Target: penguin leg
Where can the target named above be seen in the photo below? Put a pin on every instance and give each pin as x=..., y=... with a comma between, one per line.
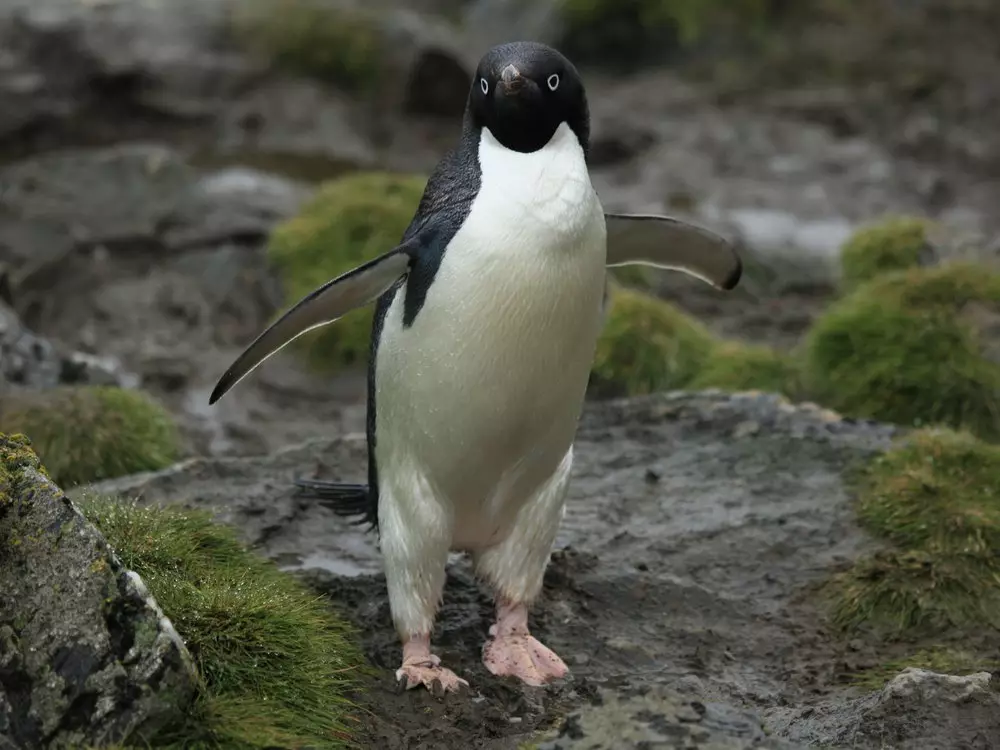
x=415, y=539
x=515, y=569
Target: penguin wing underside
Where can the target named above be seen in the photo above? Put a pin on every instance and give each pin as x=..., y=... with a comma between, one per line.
x=665, y=242
x=325, y=305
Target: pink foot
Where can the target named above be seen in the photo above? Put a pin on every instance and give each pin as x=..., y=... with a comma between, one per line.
x=513, y=652
x=421, y=667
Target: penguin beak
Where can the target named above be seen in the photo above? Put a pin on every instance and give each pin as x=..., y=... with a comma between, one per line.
x=512, y=80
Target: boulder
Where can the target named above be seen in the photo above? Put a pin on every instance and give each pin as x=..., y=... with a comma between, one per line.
x=86, y=655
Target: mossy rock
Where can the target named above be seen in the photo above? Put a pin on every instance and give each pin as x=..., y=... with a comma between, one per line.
x=933, y=498
x=314, y=38
x=350, y=221
x=86, y=434
x=734, y=366
x=15, y=455
x=647, y=345
x=276, y=663
x=894, y=244
x=913, y=347
x=940, y=659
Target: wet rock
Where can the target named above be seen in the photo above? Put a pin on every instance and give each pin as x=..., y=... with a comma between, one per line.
x=660, y=718
x=917, y=710
x=86, y=655
x=693, y=580
x=33, y=361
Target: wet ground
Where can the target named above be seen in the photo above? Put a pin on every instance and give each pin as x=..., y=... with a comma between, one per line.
x=697, y=530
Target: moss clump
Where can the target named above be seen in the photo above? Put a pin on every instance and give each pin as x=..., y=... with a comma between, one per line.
x=940, y=659
x=351, y=220
x=894, y=244
x=910, y=348
x=734, y=366
x=85, y=434
x=15, y=456
x=936, y=498
x=647, y=345
x=313, y=38
x=275, y=661
x=627, y=32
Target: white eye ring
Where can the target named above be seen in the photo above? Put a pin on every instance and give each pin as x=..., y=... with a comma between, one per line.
x=484, y=86
x=553, y=81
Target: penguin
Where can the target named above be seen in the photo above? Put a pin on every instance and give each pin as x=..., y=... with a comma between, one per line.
x=486, y=321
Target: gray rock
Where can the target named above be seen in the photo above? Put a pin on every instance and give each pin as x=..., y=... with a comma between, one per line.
x=660, y=719
x=33, y=361
x=86, y=655
x=917, y=710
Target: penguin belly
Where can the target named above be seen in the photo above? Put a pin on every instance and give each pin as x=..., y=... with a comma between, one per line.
x=478, y=399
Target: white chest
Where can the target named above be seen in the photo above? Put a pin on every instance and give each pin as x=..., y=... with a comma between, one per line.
x=490, y=378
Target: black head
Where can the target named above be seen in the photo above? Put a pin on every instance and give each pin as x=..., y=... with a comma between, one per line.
x=523, y=91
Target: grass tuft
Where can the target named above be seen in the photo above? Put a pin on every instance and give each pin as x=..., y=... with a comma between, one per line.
x=936, y=499
x=351, y=220
x=276, y=663
x=313, y=38
x=940, y=659
x=734, y=366
x=647, y=345
x=90, y=433
x=912, y=347
x=895, y=243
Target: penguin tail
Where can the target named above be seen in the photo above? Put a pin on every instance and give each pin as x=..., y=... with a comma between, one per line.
x=342, y=498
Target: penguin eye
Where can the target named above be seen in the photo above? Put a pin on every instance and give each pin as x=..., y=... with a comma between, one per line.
x=553, y=81
x=484, y=86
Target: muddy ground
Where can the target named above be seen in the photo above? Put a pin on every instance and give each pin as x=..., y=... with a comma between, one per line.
x=139, y=182
x=697, y=531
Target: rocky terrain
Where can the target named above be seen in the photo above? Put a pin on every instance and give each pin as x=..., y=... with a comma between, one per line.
x=146, y=153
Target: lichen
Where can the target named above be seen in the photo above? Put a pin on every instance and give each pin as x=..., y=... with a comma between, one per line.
x=16, y=455
x=895, y=243
x=647, y=345
x=940, y=659
x=334, y=44
x=912, y=347
x=735, y=366
x=275, y=662
x=84, y=434
x=932, y=500
x=350, y=221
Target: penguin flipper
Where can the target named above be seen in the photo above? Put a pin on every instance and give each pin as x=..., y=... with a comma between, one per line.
x=666, y=242
x=326, y=304
x=342, y=498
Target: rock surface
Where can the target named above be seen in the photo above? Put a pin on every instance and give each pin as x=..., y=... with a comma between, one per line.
x=659, y=719
x=696, y=525
x=86, y=654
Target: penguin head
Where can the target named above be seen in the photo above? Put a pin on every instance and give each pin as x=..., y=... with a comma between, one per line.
x=523, y=91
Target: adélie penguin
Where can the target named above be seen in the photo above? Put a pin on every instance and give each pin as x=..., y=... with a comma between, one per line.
x=487, y=317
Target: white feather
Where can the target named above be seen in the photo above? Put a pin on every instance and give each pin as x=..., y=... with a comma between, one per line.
x=478, y=401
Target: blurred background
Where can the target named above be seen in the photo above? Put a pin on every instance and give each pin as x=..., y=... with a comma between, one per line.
x=173, y=173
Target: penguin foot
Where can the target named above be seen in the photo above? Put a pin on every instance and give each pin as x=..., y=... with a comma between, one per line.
x=421, y=667
x=513, y=652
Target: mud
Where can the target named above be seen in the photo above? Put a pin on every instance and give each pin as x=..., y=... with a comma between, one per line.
x=697, y=530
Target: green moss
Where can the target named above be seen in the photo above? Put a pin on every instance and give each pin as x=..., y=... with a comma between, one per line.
x=648, y=345
x=313, y=38
x=893, y=244
x=85, y=434
x=15, y=456
x=275, y=661
x=940, y=659
x=626, y=32
x=351, y=220
x=912, y=347
x=935, y=498
x=734, y=366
